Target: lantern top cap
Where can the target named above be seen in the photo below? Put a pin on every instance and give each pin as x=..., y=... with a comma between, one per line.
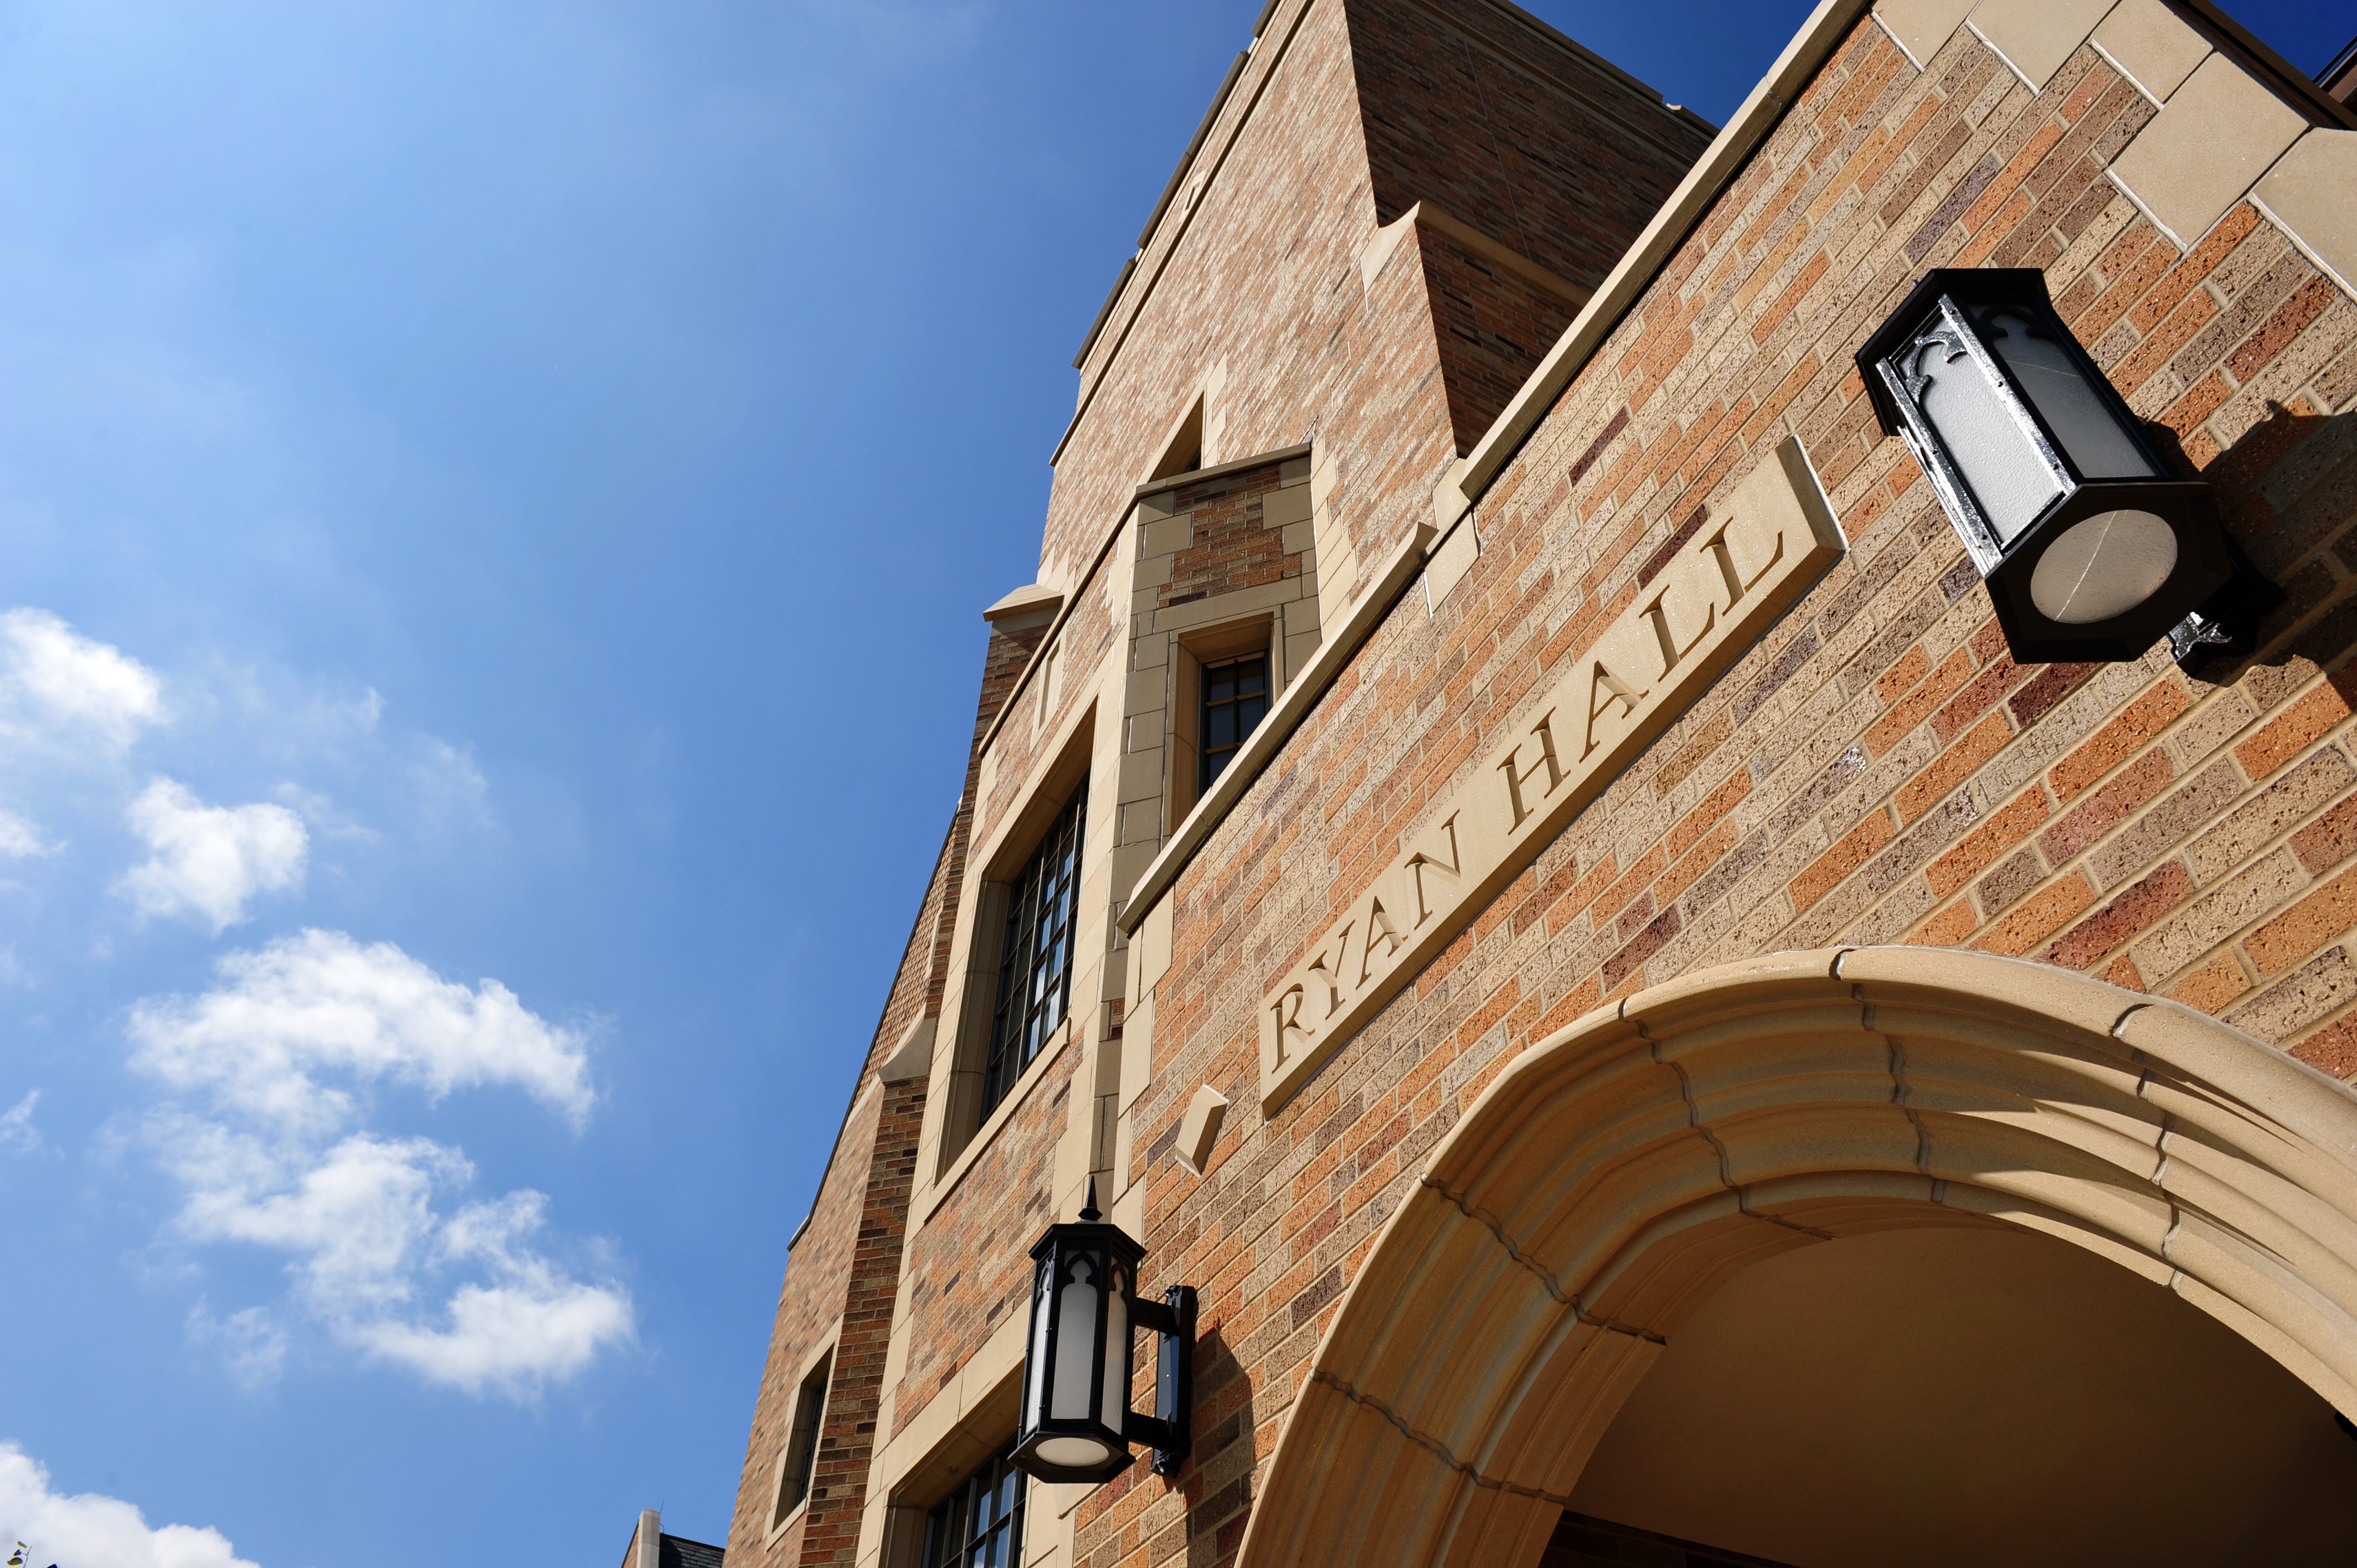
x=1090, y=1229
x=1967, y=286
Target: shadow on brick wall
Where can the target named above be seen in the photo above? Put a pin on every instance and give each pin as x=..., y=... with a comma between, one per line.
x=2287, y=490
x=1218, y=1480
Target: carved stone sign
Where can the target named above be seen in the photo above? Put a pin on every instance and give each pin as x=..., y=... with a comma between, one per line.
x=1743, y=568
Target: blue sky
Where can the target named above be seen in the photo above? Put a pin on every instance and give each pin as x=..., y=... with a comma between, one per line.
x=463, y=789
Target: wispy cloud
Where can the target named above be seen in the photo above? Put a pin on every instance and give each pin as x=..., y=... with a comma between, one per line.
x=20, y=840
x=16, y=1129
x=211, y=861
x=89, y=1531
x=271, y=1069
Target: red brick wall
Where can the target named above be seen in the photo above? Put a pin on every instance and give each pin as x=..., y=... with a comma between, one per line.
x=1493, y=325
x=1264, y=274
x=969, y=1266
x=1228, y=548
x=1554, y=152
x=1875, y=769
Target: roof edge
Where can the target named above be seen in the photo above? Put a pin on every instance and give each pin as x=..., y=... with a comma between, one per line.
x=1472, y=474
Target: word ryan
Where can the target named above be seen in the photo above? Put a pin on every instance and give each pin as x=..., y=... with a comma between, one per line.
x=1745, y=567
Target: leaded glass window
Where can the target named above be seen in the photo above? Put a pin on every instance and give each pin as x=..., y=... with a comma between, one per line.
x=1035, y=957
x=979, y=1524
x=1235, y=699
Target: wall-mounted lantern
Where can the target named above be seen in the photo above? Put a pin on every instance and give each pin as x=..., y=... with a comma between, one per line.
x=2091, y=548
x=1076, y=1423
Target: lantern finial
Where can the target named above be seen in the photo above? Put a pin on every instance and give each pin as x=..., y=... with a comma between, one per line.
x=1088, y=1204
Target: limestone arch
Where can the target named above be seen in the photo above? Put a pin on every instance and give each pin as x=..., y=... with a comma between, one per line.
x=1621, y=1170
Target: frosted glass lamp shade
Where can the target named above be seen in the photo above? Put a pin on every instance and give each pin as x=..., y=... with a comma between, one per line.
x=2091, y=547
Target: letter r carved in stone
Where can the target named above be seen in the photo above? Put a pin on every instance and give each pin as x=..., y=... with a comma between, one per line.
x=1285, y=1015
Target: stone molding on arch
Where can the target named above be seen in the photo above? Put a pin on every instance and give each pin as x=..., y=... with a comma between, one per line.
x=1618, y=1171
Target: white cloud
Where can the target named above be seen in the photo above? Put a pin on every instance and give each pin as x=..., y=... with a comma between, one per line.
x=87, y=1531
x=57, y=685
x=271, y=1153
x=210, y=861
x=20, y=840
x=16, y=1129
x=531, y=1322
x=320, y=1002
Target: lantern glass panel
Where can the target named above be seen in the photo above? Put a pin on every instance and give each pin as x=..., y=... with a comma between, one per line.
x=2103, y=567
x=1116, y=1353
x=2058, y=389
x=1985, y=435
x=1076, y=1326
x=1035, y=1370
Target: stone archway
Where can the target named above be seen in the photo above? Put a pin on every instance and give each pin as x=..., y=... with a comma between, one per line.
x=1620, y=1172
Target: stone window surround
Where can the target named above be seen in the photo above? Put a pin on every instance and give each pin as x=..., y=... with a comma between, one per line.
x=822, y=1356
x=970, y=1418
x=1254, y=636
x=1284, y=618
x=1302, y=689
x=965, y=1020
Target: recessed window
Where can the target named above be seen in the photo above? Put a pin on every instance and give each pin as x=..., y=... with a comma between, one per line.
x=800, y=1461
x=1185, y=453
x=1235, y=699
x=1035, y=963
x=980, y=1523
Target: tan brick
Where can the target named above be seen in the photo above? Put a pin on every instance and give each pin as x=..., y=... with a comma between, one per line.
x=2116, y=741
x=1852, y=849
x=2274, y=812
x=2085, y=944
x=1927, y=789
x=2307, y=926
x=2214, y=984
x=2292, y=731
x=1917, y=705
x=2016, y=821
x=2108, y=807
x=1949, y=928
x=2036, y=918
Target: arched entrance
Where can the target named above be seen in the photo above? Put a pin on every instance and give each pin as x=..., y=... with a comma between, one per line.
x=1590, y=1205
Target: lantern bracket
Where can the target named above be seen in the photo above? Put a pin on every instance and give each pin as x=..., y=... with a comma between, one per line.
x=1166, y=1431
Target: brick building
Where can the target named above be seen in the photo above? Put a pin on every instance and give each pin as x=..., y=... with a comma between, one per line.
x=1835, y=1094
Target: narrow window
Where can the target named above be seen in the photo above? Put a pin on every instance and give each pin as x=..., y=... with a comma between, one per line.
x=980, y=1523
x=801, y=1458
x=1185, y=453
x=1035, y=961
x=1235, y=699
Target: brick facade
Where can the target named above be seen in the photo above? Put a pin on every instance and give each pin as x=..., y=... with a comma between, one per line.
x=1876, y=769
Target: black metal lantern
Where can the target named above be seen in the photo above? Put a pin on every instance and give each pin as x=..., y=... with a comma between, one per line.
x=1076, y=1423
x=2091, y=548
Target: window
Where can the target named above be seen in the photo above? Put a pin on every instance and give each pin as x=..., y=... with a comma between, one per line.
x=1184, y=455
x=1035, y=958
x=980, y=1523
x=1235, y=699
x=801, y=1458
